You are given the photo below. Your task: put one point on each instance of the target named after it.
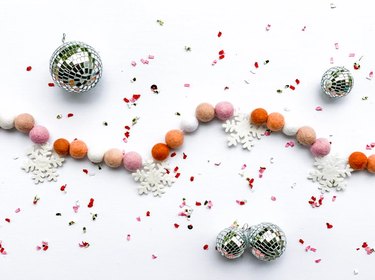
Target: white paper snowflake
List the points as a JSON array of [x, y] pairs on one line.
[[153, 178], [330, 172], [42, 163], [241, 131]]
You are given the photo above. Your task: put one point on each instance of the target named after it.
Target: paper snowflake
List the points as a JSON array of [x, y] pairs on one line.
[[42, 163], [153, 178], [241, 131], [330, 172]]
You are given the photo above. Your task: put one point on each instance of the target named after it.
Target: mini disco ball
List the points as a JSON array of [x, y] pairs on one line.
[[76, 67], [267, 241], [231, 242], [337, 82]]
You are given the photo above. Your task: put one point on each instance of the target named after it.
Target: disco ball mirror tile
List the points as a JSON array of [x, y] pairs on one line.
[[76, 67], [231, 242], [337, 82], [267, 241]]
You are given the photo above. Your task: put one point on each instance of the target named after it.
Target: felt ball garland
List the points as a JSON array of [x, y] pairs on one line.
[[174, 139]]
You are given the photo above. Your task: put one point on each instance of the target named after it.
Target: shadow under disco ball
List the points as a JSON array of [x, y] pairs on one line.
[[337, 82], [266, 241], [231, 242], [76, 67]]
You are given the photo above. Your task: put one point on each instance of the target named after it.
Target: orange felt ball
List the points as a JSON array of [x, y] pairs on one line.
[[358, 161], [275, 122], [61, 147], [174, 138], [160, 151], [78, 149], [205, 112], [371, 164], [259, 116]]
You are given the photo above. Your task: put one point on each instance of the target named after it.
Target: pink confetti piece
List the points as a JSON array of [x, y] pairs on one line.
[[76, 207], [2, 249], [243, 166], [17, 210], [273, 198], [43, 247], [318, 260], [316, 203], [268, 27], [313, 249], [133, 63], [138, 219], [214, 62], [153, 256], [351, 54], [333, 198], [336, 46], [289, 144], [370, 146], [150, 56], [208, 204], [186, 85], [128, 237], [318, 108], [304, 28], [331, 60], [307, 248], [267, 132], [371, 74], [144, 61]]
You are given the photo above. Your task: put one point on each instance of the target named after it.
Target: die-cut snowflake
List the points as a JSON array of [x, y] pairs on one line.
[[154, 177], [42, 163], [330, 172], [241, 131]]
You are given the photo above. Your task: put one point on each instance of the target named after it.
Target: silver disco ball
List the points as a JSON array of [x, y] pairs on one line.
[[76, 67], [231, 242], [337, 82], [266, 241]]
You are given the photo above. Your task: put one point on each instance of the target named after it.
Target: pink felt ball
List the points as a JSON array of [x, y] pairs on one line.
[[39, 134], [321, 147], [132, 161], [224, 110]]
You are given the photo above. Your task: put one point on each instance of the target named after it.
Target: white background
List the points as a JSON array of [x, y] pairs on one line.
[[123, 31]]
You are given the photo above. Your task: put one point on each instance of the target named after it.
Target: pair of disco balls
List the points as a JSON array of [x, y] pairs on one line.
[[266, 241]]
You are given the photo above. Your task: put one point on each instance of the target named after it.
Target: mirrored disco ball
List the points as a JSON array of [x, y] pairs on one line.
[[337, 82], [266, 241], [231, 242], [76, 67]]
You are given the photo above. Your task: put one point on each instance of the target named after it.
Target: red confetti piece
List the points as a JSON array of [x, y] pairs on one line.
[[175, 169], [198, 203], [205, 247], [221, 56], [301, 241], [126, 100], [70, 115], [7, 220], [127, 134], [84, 244], [329, 226], [91, 203], [251, 181], [136, 96], [148, 214], [297, 82], [177, 175], [318, 260], [364, 245], [192, 179], [356, 66], [127, 127], [221, 52], [219, 34], [176, 225], [292, 87], [36, 199], [62, 188], [256, 65], [173, 154], [51, 84], [2, 249], [241, 202], [85, 171], [28, 68], [333, 198]]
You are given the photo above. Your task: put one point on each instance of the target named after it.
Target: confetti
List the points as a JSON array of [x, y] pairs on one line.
[[301, 241], [190, 227], [28, 68], [241, 202], [187, 49], [17, 210], [173, 154], [51, 84], [355, 272], [154, 88], [333, 6], [336, 46], [289, 144], [331, 60], [186, 85], [76, 207], [35, 200], [208, 204], [261, 171], [85, 171], [316, 203], [70, 115], [251, 181], [128, 237], [148, 214], [205, 247], [184, 156], [2, 249], [318, 108], [176, 225], [144, 61], [351, 54], [84, 244], [333, 198], [44, 246], [153, 257], [63, 188], [219, 34], [7, 220], [356, 66], [268, 27], [133, 63], [370, 146], [150, 56], [91, 203], [273, 198], [138, 219], [197, 203], [192, 179], [329, 226], [318, 260], [304, 28]]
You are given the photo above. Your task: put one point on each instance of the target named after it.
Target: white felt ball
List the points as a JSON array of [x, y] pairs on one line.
[[189, 123], [96, 154], [290, 128], [7, 121]]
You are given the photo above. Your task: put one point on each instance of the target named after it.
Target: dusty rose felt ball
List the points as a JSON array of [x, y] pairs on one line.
[[24, 123], [224, 110], [205, 112], [39, 134], [78, 149], [132, 161], [174, 138], [113, 157], [275, 122], [321, 147], [306, 135], [371, 164]]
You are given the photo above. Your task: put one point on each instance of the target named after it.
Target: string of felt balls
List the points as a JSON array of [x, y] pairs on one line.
[[174, 139]]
